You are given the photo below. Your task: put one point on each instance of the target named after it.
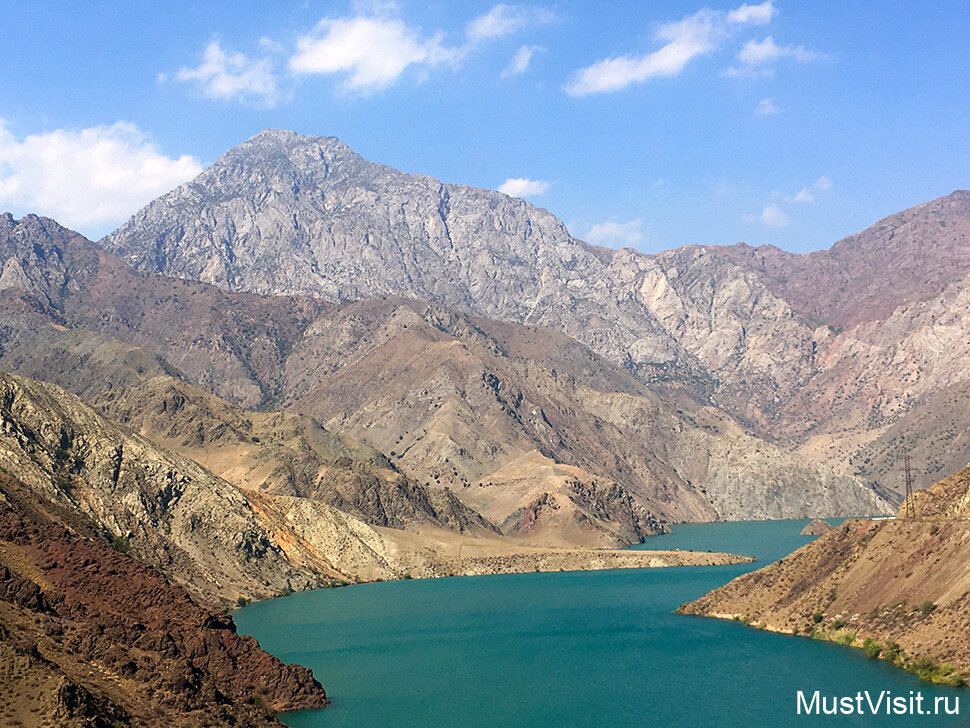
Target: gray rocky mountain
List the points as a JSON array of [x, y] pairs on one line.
[[821, 352], [506, 416]]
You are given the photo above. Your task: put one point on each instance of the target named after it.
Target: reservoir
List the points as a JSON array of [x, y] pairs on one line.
[[583, 649]]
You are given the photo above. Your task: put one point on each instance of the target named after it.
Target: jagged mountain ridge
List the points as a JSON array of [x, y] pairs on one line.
[[792, 345], [238, 346]]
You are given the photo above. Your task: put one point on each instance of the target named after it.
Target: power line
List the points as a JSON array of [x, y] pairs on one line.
[[909, 505]]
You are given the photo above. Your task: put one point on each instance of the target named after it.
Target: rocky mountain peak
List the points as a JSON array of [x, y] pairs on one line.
[[755, 331]]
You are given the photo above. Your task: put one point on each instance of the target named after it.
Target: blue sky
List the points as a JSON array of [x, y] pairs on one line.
[[649, 124]]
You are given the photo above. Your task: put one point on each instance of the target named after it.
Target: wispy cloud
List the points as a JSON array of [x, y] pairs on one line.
[[87, 179], [503, 20], [772, 216], [758, 53], [616, 233], [223, 75], [757, 56], [523, 187], [766, 107], [521, 60], [807, 194], [696, 35], [753, 14]]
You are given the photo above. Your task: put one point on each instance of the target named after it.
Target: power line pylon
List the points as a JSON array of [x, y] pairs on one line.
[[910, 507]]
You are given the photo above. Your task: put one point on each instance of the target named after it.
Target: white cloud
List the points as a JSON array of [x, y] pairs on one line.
[[521, 60], [224, 75], [87, 179], [772, 216], [767, 107], [747, 72], [375, 47], [616, 233], [686, 39], [760, 53], [374, 52], [807, 194], [695, 35], [753, 14], [522, 187], [503, 20]]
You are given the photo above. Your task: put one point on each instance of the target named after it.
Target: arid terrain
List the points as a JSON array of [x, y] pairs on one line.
[[898, 588], [303, 370]]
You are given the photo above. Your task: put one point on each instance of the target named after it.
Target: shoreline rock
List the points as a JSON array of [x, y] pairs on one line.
[[817, 527]]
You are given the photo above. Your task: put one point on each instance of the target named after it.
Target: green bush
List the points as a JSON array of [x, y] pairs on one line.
[[818, 617], [871, 648], [838, 623], [891, 651], [120, 543], [242, 602], [846, 639], [926, 607]]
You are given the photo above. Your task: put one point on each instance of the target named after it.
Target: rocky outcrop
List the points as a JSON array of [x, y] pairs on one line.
[[168, 510], [91, 637], [817, 527], [899, 588]]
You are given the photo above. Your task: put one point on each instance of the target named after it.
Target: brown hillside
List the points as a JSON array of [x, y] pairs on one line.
[[91, 637], [904, 581]]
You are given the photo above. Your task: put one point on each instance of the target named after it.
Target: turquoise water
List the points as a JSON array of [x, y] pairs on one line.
[[576, 649]]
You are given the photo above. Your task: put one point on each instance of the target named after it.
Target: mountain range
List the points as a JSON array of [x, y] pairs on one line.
[[304, 369], [820, 353]]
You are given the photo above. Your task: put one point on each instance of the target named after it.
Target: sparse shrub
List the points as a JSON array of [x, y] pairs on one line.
[[926, 607], [120, 543], [838, 623], [242, 602], [846, 639], [818, 617], [871, 648], [891, 651]]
